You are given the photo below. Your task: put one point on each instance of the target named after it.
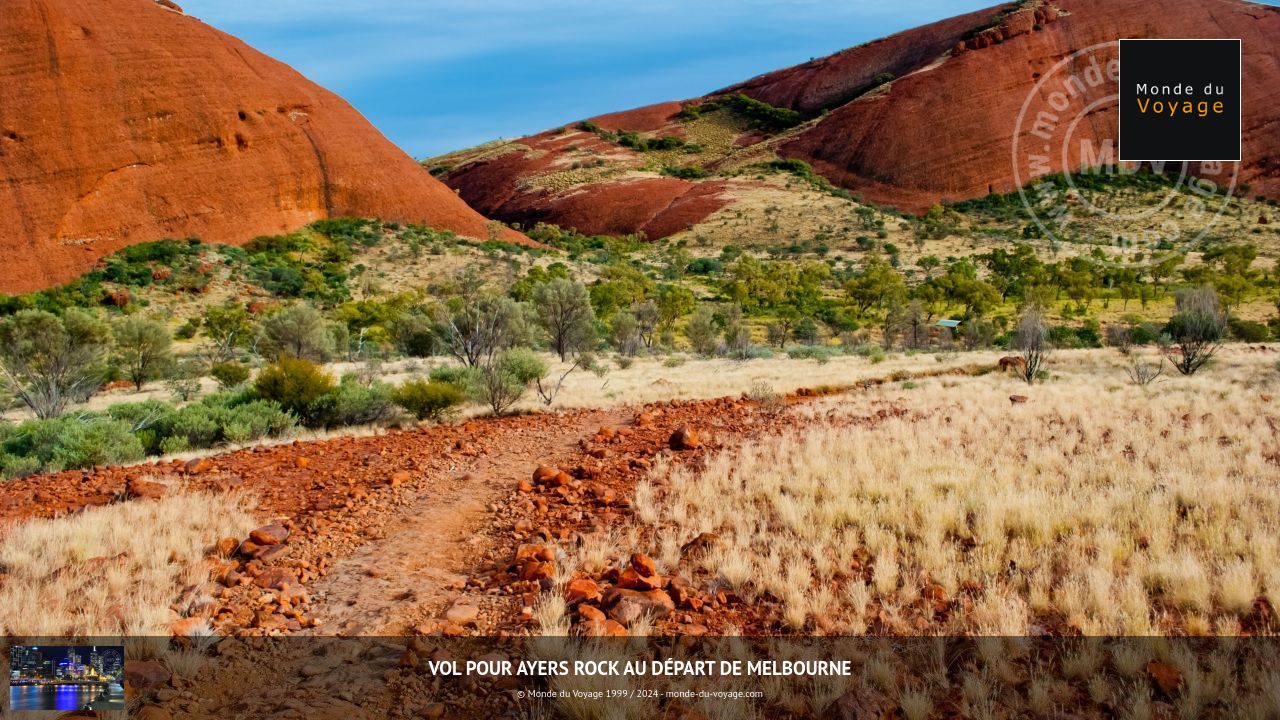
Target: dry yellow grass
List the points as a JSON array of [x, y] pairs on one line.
[[1098, 505], [654, 379], [82, 575]]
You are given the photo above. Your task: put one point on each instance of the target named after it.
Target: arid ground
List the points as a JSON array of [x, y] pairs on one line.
[[936, 496]]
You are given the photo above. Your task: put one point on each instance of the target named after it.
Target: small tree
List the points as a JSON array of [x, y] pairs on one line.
[[504, 381], [779, 331], [702, 332], [737, 336], [414, 334], [228, 329], [1195, 331], [648, 319], [476, 332], [624, 334], [48, 362], [564, 313], [142, 348], [1033, 340], [895, 319], [299, 331]]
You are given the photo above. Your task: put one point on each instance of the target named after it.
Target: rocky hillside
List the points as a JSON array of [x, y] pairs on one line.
[[922, 116], [124, 121]]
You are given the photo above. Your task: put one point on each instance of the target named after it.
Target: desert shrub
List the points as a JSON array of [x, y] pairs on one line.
[[463, 378], [414, 334], [874, 353], [504, 381], [881, 78], [188, 329], [761, 115], [1195, 331], [353, 403], [753, 352], [299, 331], [347, 230], [1120, 337], [812, 352], [18, 466], [705, 266], [685, 172], [1089, 335], [224, 418], [763, 393], [294, 384], [1145, 333], [229, 374], [806, 331], [253, 419], [1066, 336], [1144, 373], [149, 421], [428, 399], [197, 424], [1249, 331], [67, 443], [183, 389]]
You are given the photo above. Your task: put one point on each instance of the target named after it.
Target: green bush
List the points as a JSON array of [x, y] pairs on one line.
[[1066, 336], [874, 353], [428, 399], [1145, 333], [67, 443], [685, 172], [188, 329], [463, 378], [229, 374], [17, 466], [502, 384], [812, 352], [294, 384], [352, 403], [217, 419], [761, 115], [705, 266], [197, 424], [1249, 331]]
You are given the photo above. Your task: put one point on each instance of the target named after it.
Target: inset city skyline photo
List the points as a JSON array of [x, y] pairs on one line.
[[63, 677]]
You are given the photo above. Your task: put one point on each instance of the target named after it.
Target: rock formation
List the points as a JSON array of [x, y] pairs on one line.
[[926, 115], [124, 121]]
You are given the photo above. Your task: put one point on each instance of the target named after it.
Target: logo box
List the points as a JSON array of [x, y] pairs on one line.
[[1180, 100]]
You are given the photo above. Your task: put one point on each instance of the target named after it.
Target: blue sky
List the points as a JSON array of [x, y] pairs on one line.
[[439, 75]]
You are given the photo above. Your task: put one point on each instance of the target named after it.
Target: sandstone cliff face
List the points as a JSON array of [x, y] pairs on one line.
[[943, 128], [123, 121]]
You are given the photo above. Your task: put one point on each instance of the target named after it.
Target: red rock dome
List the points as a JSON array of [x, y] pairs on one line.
[[942, 128], [124, 121]]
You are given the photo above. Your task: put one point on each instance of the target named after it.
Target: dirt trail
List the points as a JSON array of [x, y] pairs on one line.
[[420, 562]]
